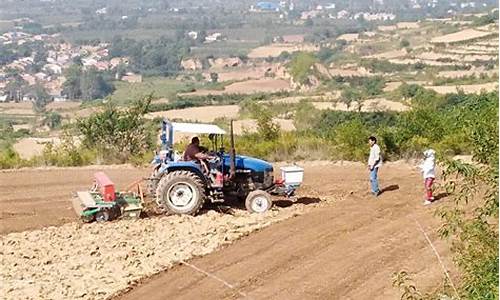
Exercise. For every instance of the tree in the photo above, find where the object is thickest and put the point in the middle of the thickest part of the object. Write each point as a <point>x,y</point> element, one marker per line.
<point>87,85</point>
<point>474,232</point>
<point>306,116</point>
<point>53,120</point>
<point>214,77</point>
<point>404,43</point>
<point>373,86</point>
<point>15,87</point>
<point>325,54</point>
<point>118,133</point>
<point>6,55</point>
<point>301,66</point>
<point>121,70</point>
<point>349,96</point>
<point>41,97</point>
<point>350,139</point>
<point>200,38</point>
<point>94,86</point>
<point>71,87</point>
<point>266,128</point>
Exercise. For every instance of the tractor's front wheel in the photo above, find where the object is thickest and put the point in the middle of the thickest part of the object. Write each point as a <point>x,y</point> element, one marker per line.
<point>181,192</point>
<point>258,201</point>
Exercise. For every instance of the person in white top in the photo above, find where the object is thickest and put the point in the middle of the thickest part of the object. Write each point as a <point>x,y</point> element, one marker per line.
<point>428,171</point>
<point>374,163</point>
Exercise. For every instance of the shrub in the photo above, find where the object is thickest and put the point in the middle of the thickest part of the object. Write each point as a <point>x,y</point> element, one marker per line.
<point>351,140</point>
<point>117,134</point>
<point>53,120</point>
<point>301,66</point>
<point>10,159</point>
<point>306,116</point>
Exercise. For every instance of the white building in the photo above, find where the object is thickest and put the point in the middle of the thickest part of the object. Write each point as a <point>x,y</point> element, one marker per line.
<point>102,11</point>
<point>343,14</point>
<point>216,36</point>
<point>53,68</point>
<point>193,35</point>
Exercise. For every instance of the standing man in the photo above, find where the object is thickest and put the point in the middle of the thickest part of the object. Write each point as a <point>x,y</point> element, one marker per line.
<point>374,162</point>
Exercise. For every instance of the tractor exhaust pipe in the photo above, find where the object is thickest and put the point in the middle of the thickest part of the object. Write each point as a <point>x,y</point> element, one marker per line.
<point>232,155</point>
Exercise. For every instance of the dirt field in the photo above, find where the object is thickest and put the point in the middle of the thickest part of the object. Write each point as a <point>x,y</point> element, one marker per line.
<point>348,37</point>
<point>12,105</point>
<point>266,85</point>
<point>387,28</point>
<point>26,108</point>
<point>458,58</point>
<point>349,73</point>
<point>376,104</point>
<point>31,199</point>
<point>462,73</point>
<point>21,108</point>
<point>469,89</point>
<point>63,105</point>
<point>408,25</point>
<point>412,61</point>
<point>464,35</point>
<point>390,54</point>
<point>274,50</point>
<point>202,114</point>
<point>328,96</point>
<point>341,244</point>
<point>241,126</point>
<point>241,74</point>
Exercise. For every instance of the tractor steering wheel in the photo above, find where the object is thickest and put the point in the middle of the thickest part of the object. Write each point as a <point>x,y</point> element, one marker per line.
<point>214,159</point>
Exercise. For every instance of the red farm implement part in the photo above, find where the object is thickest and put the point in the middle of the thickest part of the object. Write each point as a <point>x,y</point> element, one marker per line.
<point>103,203</point>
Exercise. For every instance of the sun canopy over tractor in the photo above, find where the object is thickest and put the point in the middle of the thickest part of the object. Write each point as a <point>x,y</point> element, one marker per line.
<point>197,128</point>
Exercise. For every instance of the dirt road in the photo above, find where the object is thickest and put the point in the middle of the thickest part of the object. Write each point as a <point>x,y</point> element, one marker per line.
<point>346,249</point>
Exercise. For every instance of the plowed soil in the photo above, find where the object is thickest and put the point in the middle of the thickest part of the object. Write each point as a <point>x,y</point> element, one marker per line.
<point>346,250</point>
<point>32,199</point>
<point>345,246</point>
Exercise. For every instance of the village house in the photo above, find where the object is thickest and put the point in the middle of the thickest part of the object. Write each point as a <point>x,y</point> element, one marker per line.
<point>132,78</point>
<point>52,68</point>
<point>193,35</point>
<point>216,36</point>
<point>293,38</point>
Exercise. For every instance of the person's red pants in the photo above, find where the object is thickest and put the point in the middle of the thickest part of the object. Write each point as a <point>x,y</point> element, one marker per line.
<point>428,188</point>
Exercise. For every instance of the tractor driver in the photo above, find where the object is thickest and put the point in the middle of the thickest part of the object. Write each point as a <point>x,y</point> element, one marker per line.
<point>195,152</point>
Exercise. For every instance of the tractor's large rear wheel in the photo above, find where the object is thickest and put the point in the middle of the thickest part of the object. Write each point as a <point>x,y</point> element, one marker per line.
<point>181,192</point>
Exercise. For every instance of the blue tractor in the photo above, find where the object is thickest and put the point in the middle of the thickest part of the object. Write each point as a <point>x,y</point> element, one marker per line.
<point>183,187</point>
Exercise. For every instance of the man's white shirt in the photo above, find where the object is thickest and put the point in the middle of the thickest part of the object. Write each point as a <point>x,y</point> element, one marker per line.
<point>374,156</point>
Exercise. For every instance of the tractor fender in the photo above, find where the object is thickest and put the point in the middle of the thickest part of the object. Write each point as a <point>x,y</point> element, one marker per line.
<point>184,165</point>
